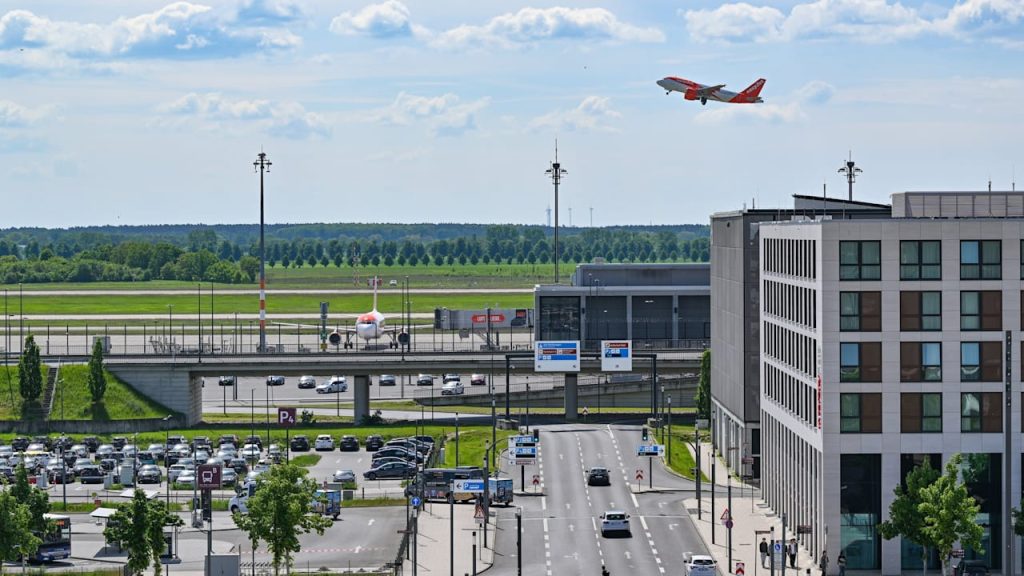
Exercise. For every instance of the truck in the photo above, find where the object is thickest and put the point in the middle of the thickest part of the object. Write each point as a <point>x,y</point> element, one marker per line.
<point>327,503</point>
<point>500,491</point>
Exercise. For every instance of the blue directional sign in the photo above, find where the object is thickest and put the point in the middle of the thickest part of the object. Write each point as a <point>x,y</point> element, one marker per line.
<point>527,451</point>
<point>522,440</point>
<point>469,486</point>
<point>648,450</point>
<point>557,356</point>
<point>415,500</point>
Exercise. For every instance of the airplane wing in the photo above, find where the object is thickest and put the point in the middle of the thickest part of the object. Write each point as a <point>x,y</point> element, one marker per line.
<point>709,90</point>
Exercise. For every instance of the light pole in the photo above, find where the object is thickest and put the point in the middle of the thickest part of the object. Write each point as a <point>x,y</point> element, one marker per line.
<point>556,172</point>
<point>262,165</point>
<point>456,439</point>
<point>167,436</point>
<point>519,541</point>
<point>170,324</point>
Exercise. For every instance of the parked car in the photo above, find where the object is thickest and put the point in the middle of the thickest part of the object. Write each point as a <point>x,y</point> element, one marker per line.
<point>81,463</point>
<point>20,443</point>
<point>373,443</point>
<point>972,567</point>
<point>275,380</point>
<point>387,380</point>
<point>348,443</point>
<point>598,476</point>
<point>398,453</point>
<point>425,439</point>
<point>452,378</point>
<point>91,442</point>
<point>91,475</point>
<point>174,440</point>
<point>699,565</point>
<point>104,451</point>
<point>108,464</point>
<point>477,380</point>
<point>239,465</point>
<point>336,385</point>
<point>615,522</point>
<point>61,476</point>
<point>275,453</point>
<point>324,442</point>
<point>118,442</point>
<point>424,380</point>
<point>149,474</point>
<point>157,450</point>
<point>226,381</point>
<point>228,439</point>
<point>344,476</point>
<point>79,450</point>
<point>228,477</point>
<point>201,442</point>
<point>255,439</point>
<point>250,452</point>
<point>299,443</point>
<point>306,382</point>
<point>176,470</point>
<point>391,470</point>
<point>452,388</point>
<point>187,477</point>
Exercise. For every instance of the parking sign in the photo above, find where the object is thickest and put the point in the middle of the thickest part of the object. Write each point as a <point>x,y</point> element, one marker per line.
<point>286,417</point>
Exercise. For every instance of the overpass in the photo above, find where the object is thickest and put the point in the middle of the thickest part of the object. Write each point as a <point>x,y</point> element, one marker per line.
<point>176,382</point>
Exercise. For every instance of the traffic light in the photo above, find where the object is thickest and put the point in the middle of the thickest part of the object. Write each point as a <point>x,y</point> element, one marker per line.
<point>644,436</point>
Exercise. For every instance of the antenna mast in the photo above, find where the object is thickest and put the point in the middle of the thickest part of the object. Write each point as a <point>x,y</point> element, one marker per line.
<point>851,171</point>
<point>556,172</point>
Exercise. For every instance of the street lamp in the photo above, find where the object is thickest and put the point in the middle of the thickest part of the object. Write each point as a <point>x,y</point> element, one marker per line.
<point>519,541</point>
<point>262,164</point>
<point>167,437</point>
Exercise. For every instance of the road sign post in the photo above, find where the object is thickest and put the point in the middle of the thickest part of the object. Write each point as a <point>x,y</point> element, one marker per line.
<point>639,477</point>
<point>286,419</point>
<point>536,482</point>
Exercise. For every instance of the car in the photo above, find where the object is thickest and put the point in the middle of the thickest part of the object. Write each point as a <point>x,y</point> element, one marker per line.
<point>176,470</point>
<point>7,474</point>
<point>477,380</point>
<point>79,450</point>
<point>227,439</point>
<point>275,380</point>
<point>392,282</point>
<point>157,450</point>
<point>452,388</point>
<point>387,380</point>
<point>149,474</point>
<point>323,442</point>
<point>61,476</point>
<point>275,453</point>
<point>307,382</point>
<point>201,442</point>
<point>397,452</point>
<point>615,522</point>
<point>118,442</point>
<point>335,385</point>
<point>254,439</point>
<point>46,441</point>
<point>424,380</point>
<point>425,439</point>
<point>452,378</point>
<point>36,447</point>
<point>81,463</point>
<point>299,444</point>
<point>228,477</point>
<point>91,442</point>
<point>226,381</point>
<point>344,476</point>
<point>19,444</point>
<point>410,444</point>
<point>373,443</point>
<point>699,565</point>
<point>104,451</point>
<point>348,443</point>
<point>187,477</point>
<point>91,475</point>
<point>108,464</point>
<point>217,461</point>
<point>239,465</point>
<point>249,452</point>
<point>400,470</point>
<point>201,455</point>
<point>972,567</point>
<point>145,458</point>
<point>598,476</point>
<point>179,451</point>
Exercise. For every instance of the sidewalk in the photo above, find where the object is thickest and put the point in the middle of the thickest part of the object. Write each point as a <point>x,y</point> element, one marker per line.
<point>433,542</point>
<point>749,514</point>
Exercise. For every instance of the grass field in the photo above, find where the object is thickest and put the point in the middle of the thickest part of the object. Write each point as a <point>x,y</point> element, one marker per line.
<point>306,460</point>
<point>72,400</point>
<point>10,400</point>
<point>472,443</point>
<point>372,502</point>
<point>682,461</point>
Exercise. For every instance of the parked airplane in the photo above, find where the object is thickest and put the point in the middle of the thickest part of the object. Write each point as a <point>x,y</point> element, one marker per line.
<point>694,91</point>
<point>369,326</point>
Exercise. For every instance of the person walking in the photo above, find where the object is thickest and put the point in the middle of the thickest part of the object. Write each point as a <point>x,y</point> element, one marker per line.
<point>763,548</point>
<point>823,563</point>
<point>791,550</point>
<point>841,562</point>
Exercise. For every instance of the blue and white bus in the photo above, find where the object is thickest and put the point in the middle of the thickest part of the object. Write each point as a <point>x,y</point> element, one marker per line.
<point>56,541</point>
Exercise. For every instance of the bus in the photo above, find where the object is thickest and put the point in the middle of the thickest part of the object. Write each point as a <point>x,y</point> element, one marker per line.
<point>56,542</point>
<point>436,483</point>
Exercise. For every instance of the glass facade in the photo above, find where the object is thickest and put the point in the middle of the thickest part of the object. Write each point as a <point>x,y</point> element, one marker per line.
<point>982,474</point>
<point>911,554</point>
<point>606,320</point>
<point>652,318</point>
<point>559,318</point>
<point>860,508</point>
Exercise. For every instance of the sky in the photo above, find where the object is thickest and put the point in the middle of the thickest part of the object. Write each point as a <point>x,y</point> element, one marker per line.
<point>150,112</point>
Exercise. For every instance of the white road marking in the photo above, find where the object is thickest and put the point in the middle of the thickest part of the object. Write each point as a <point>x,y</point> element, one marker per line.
<point>628,555</point>
<point>635,503</point>
<point>566,505</point>
<point>372,520</point>
<point>358,548</point>
<point>644,523</point>
<point>543,502</point>
<point>572,527</point>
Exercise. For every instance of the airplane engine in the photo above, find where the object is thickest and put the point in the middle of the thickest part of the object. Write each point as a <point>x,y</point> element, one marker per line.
<point>690,94</point>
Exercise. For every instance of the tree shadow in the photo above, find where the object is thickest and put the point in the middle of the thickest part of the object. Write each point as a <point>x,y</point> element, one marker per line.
<point>31,410</point>
<point>99,411</point>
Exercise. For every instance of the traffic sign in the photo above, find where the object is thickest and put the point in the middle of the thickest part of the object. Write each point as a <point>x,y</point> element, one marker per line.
<point>616,356</point>
<point>740,569</point>
<point>209,477</point>
<point>286,417</point>
<point>513,461</point>
<point>725,515</point>
<point>525,452</point>
<point>478,514</point>
<point>586,412</point>
<point>522,441</point>
<point>415,500</point>
<point>556,356</point>
<point>468,486</point>
<point>639,474</point>
<point>536,479</point>
<point>728,524</point>
<point>648,450</point>
<point>778,547</point>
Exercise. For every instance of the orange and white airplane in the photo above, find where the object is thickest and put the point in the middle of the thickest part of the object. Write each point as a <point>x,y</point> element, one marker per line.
<point>695,91</point>
<point>371,325</point>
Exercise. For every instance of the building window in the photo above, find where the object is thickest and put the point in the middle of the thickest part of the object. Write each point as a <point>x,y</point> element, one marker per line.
<point>921,260</point>
<point>981,260</point>
<point>860,413</point>
<point>920,362</point>
<point>981,412</point>
<point>921,412</point>
<point>981,310</point>
<point>920,311</point>
<point>860,260</point>
<point>860,362</point>
<point>860,311</point>
<point>981,361</point>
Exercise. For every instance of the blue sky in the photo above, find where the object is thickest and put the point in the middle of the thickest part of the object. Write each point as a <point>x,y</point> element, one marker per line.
<point>139,111</point>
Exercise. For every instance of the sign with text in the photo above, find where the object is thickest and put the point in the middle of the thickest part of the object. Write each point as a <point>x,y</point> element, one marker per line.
<point>286,417</point>
<point>648,450</point>
<point>522,450</point>
<point>616,355</point>
<point>557,356</point>
<point>468,486</point>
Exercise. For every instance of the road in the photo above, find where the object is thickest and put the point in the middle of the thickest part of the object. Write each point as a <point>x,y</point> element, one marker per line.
<point>561,528</point>
<point>253,291</point>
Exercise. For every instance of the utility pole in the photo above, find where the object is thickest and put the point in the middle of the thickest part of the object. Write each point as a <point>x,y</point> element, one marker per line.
<point>556,172</point>
<point>850,170</point>
<point>262,164</point>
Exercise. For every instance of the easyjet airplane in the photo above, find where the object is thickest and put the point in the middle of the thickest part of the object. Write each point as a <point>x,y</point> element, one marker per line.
<point>694,91</point>
<point>371,325</point>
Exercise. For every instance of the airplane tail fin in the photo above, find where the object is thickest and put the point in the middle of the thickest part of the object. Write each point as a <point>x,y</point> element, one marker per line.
<point>754,90</point>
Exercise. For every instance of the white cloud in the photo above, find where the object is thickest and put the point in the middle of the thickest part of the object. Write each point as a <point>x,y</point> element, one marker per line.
<point>787,109</point>
<point>862,20</point>
<point>446,114</point>
<point>532,25</point>
<point>288,119</point>
<point>13,115</point>
<point>269,11</point>
<point>593,113</point>
<point>389,19</point>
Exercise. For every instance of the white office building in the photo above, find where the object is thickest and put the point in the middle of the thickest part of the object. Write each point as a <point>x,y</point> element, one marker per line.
<point>885,342</point>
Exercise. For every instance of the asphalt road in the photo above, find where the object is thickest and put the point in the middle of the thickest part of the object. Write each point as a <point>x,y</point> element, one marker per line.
<point>561,529</point>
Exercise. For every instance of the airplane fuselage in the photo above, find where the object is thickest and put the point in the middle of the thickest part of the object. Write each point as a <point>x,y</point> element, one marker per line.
<point>370,326</point>
<point>696,91</point>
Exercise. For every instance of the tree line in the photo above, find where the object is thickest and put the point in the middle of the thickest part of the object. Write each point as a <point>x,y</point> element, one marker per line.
<point>205,255</point>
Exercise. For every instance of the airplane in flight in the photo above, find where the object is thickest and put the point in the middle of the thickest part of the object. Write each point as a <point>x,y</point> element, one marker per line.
<point>368,326</point>
<point>694,91</point>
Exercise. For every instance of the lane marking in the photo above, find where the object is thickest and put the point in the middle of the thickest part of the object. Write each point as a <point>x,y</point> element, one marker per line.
<point>358,548</point>
<point>635,503</point>
<point>372,520</point>
<point>643,523</point>
<point>543,502</point>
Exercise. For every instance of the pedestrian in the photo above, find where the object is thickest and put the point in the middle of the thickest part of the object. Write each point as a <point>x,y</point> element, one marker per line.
<point>763,548</point>
<point>841,562</point>
<point>791,550</point>
<point>823,563</point>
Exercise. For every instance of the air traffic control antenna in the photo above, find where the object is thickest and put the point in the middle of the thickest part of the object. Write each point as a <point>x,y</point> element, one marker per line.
<point>851,171</point>
<point>556,172</point>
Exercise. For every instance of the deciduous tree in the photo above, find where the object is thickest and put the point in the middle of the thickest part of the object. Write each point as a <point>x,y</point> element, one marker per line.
<point>16,536</point>
<point>703,398</point>
<point>905,518</point>
<point>97,380</point>
<point>129,527</point>
<point>950,513</point>
<point>30,379</point>
<point>37,501</point>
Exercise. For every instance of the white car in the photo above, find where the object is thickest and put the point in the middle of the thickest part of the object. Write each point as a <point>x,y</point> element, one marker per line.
<point>250,452</point>
<point>699,565</point>
<point>335,385</point>
<point>323,442</point>
<point>186,477</point>
<point>344,476</point>
<point>175,471</point>
<point>615,522</point>
<point>453,387</point>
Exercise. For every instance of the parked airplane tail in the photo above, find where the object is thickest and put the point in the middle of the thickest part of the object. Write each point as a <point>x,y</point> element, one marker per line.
<point>754,90</point>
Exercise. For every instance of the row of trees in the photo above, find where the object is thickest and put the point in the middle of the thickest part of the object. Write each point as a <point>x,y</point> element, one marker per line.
<point>30,377</point>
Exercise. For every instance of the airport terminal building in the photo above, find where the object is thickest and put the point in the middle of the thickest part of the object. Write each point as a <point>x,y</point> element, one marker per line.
<point>657,306</point>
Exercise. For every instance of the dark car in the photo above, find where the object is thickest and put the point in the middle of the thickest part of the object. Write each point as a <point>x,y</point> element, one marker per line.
<point>201,443</point>
<point>275,380</point>
<point>228,439</point>
<point>391,470</point>
<point>410,444</point>
<point>425,439</point>
<point>174,440</point>
<point>61,475</point>
<point>387,380</point>
<point>63,443</point>
<point>149,474</point>
<point>348,444</point>
<point>396,452</point>
<point>226,381</point>
<point>7,474</point>
<point>255,439</point>
<point>239,465</point>
<point>299,444</point>
<point>91,442</point>
<point>20,443</point>
<point>974,567</point>
<point>91,475</point>
<point>598,476</point>
<point>373,443</point>
<point>44,440</point>
<point>424,380</point>
<point>108,464</point>
<point>118,442</point>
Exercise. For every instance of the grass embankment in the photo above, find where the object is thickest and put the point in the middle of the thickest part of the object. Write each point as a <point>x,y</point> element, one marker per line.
<point>72,400</point>
<point>472,443</point>
<point>682,461</point>
<point>306,460</point>
<point>86,507</point>
<point>372,502</point>
<point>11,403</point>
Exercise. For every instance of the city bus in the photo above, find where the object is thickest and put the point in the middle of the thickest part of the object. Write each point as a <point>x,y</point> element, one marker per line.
<point>436,483</point>
<point>56,542</point>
